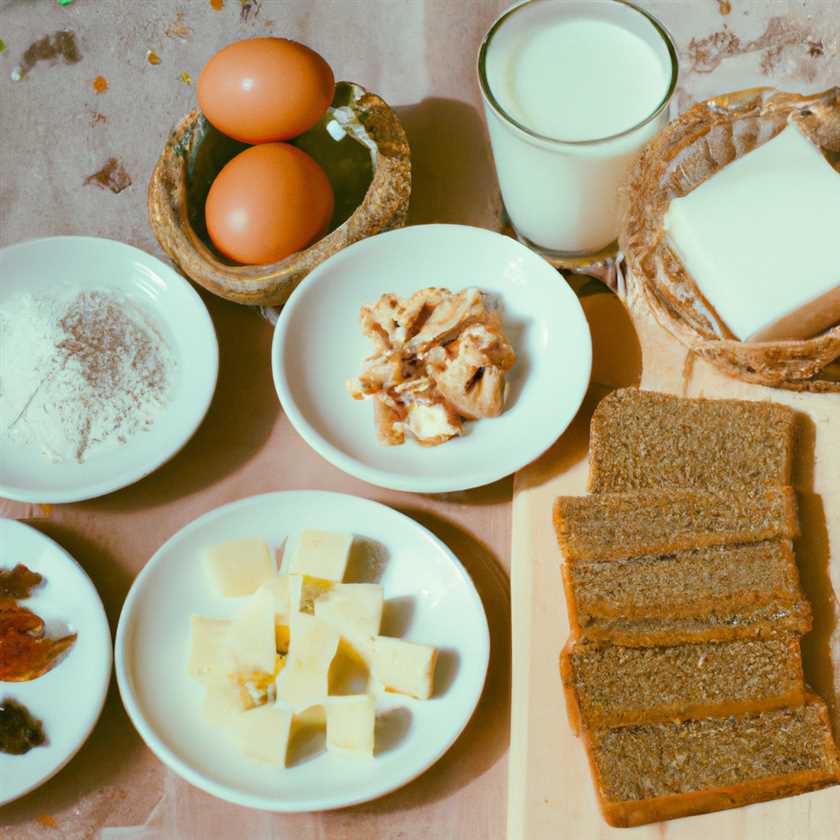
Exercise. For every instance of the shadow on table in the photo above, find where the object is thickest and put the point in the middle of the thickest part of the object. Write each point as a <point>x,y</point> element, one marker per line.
<point>238,423</point>
<point>453,179</point>
<point>498,492</point>
<point>486,738</point>
<point>114,740</point>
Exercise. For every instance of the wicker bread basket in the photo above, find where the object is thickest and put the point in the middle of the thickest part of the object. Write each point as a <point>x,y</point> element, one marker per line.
<point>692,148</point>
<point>384,206</point>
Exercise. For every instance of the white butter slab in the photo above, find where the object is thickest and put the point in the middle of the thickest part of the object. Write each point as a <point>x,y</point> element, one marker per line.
<point>759,239</point>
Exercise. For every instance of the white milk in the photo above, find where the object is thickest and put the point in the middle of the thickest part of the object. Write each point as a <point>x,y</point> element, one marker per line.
<point>572,75</point>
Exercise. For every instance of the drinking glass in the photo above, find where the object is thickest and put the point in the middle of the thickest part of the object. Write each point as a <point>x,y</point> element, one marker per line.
<point>561,194</point>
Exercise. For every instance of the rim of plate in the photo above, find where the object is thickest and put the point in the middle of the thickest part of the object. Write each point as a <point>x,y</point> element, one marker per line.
<point>103,692</point>
<point>194,777</point>
<point>125,479</point>
<point>397,480</point>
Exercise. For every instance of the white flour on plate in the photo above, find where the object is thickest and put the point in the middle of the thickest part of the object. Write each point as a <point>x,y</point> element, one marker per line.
<point>80,372</point>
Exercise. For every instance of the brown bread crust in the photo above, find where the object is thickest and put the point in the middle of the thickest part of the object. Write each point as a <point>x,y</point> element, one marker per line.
<point>610,685</point>
<point>630,814</point>
<point>618,526</point>
<point>644,439</point>
<point>568,677</point>
<point>764,622</point>
<point>688,583</point>
<point>633,812</point>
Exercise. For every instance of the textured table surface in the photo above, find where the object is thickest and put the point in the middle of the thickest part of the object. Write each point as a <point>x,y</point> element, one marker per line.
<point>57,131</point>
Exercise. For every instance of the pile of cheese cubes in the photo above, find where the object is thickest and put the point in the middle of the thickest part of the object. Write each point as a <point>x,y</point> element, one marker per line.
<point>269,670</point>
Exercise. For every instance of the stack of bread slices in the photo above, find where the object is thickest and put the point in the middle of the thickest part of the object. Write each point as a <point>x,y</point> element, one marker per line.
<point>684,671</point>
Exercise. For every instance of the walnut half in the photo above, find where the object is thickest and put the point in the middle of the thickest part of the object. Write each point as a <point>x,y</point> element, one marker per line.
<point>439,358</point>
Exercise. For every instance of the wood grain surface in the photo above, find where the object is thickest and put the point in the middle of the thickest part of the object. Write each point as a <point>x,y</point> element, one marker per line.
<point>551,793</point>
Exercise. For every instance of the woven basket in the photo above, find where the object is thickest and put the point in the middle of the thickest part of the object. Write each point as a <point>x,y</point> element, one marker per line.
<point>689,150</point>
<point>384,206</point>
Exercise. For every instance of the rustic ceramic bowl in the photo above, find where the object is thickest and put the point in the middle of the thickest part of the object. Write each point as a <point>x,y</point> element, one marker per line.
<point>194,154</point>
<point>689,150</point>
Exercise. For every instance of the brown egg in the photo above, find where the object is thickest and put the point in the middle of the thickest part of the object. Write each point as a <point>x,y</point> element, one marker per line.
<point>265,89</point>
<point>268,202</point>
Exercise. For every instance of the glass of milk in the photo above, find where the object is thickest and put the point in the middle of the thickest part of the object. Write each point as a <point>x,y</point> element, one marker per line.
<point>572,90</point>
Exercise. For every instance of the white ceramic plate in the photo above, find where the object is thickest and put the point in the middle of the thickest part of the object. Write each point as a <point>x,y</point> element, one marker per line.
<point>429,598</point>
<point>318,346</point>
<point>69,698</point>
<point>82,262</point>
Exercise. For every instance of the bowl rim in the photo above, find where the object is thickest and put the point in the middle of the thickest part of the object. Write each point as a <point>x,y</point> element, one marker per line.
<point>405,481</point>
<point>101,617</point>
<point>169,756</point>
<point>202,319</point>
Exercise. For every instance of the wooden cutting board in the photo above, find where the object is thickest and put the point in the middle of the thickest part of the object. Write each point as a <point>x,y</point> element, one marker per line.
<point>550,790</point>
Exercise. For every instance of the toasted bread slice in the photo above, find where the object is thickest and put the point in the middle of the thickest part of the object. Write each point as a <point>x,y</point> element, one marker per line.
<point>763,622</point>
<point>617,526</point>
<point>613,685</point>
<point>661,771</point>
<point>687,583</point>
<point>712,594</point>
<point>643,439</point>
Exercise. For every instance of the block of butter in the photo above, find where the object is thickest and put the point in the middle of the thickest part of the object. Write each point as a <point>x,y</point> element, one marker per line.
<point>759,240</point>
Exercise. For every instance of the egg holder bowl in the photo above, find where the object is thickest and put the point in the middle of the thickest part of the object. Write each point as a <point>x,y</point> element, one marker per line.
<point>384,206</point>
<point>694,146</point>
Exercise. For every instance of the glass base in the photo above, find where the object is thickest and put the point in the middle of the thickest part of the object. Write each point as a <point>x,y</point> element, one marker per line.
<point>569,259</point>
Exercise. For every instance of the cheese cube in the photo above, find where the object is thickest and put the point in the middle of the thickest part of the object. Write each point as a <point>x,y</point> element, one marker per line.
<point>240,566</point>
<point>350,724</point>
<point>263,733</point>
<point>312,718</point>
<point>404,667</point>
<point>303,682</point>
<point>355,609</point>
<point>223,701</point>
<point>206,638</point>
<point>321,554</point>
<point>350,669</point>
<point>305,590</point>
<point>278,586</point>
<point>249,644</point>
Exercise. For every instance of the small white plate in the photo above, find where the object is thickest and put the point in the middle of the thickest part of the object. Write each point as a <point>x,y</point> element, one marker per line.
<point>318,346</point>
<point>69,698</point>
<point>83,262</point>
<point>429,598</point>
